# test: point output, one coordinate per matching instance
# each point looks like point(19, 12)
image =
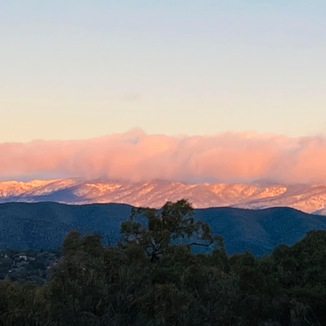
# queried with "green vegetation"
point(157, 276)
point(27, 265)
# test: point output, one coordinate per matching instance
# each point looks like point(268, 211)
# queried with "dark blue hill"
point(45, 224)
point(259, 231)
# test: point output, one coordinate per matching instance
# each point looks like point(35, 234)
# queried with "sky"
point(196, 91)
point(89, 68)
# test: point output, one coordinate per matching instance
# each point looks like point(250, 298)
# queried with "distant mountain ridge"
point(44, 225)
point(307, 198)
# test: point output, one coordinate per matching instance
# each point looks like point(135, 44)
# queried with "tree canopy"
point(154, 276)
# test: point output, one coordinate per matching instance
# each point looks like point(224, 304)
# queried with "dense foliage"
point(157, 276)
point(27, 265)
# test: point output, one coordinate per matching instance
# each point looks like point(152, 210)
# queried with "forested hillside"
point(44, 225)
point(153, 276)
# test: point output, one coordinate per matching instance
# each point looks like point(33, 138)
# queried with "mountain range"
point(309, 198)
point(44, 225)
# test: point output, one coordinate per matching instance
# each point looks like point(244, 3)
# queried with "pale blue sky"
point(78, 69)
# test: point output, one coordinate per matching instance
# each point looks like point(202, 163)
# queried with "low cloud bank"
point(136, 156)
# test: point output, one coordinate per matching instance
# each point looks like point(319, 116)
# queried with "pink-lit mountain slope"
point(307, 198)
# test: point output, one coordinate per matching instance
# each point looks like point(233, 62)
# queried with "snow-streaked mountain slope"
point(307, 198)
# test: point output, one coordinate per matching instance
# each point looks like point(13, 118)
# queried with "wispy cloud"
point(131, 97)
point(136, 156)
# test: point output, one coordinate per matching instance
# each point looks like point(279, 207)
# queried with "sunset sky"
point(208, 73)
point(78, 69)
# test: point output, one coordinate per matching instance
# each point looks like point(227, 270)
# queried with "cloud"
point(136, 156)
point(131, 97)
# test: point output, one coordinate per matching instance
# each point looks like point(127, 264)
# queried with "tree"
point(174, 223)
